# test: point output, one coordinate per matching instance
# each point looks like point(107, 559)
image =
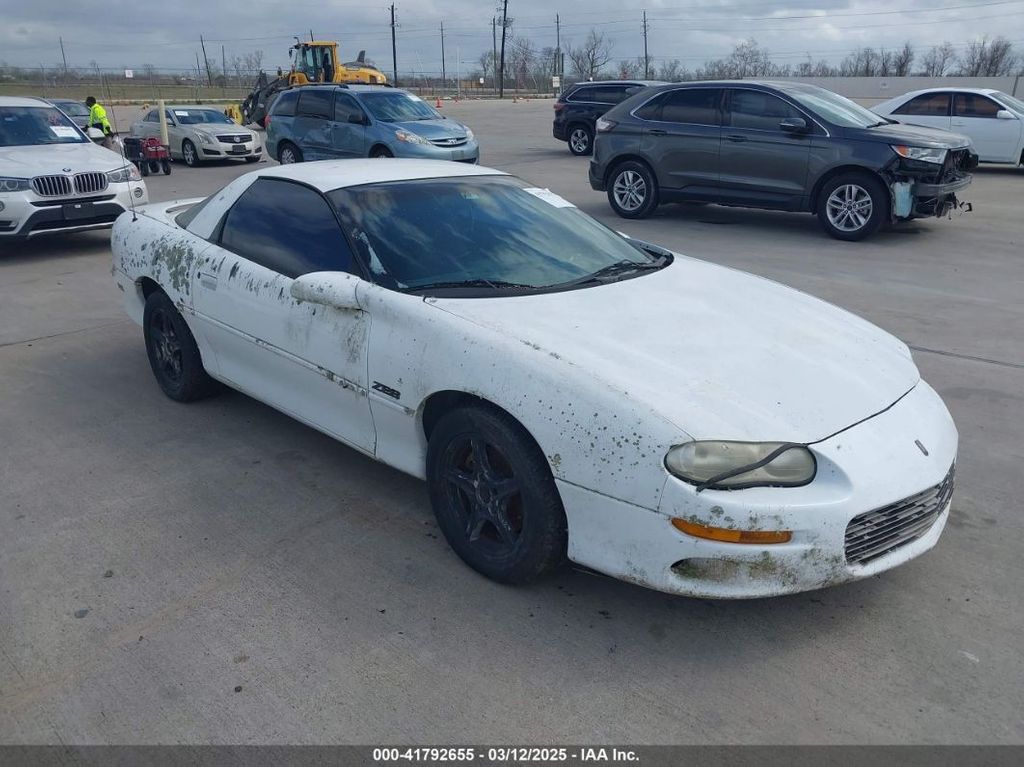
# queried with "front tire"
point(581, 140)
point(189, 154)
point(632, 190)
point(381, 152)
point(493, 495)
point(172, 351)
point(852, 206)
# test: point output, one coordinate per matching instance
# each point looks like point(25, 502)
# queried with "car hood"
point(915, 135)
point(29, 161)
point(719, 353)
point(218, 129)
point(433, 129)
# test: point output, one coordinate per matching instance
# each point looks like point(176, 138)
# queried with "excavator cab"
point(314, 62)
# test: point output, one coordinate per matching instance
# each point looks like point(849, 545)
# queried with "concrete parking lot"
point(218, 573)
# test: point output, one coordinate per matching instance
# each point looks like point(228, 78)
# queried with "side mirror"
point(357, 119)
point(334, 289)
point(95, 134)
point(793, 125)
point(1005, 114)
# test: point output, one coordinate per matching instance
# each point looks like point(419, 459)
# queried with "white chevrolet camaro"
point(565, 391)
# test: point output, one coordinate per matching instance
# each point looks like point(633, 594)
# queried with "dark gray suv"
point(779, 146)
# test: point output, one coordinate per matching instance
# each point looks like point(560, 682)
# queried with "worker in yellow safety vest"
point(98, 119)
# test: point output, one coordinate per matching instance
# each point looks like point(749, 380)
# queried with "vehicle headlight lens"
point(723, 465)
point(204, 138)
point(8, 184)
point(923, 154)
point(469, 134)
point(410, 138)
point(123, 175)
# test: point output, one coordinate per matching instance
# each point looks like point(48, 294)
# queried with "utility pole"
point(647, 59)
point(494, 54)
point(64, 57)
point(501, 68)
point(556, 70)
point(394, 50)
point(206, 60)
point(444, 74)
point(224, 70)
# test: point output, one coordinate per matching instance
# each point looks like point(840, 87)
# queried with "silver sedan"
point(197, 134)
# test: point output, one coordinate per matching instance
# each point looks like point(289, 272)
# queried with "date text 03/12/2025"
point(503, 754)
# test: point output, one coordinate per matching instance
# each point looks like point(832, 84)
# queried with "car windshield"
point(198, 116)
point(398, 107)
point(1015, 104)
point(72, 108)
point(482, 234)
point(33, 126)
point(837, 109)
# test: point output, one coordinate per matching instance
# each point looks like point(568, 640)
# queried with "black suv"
point(580, 105)
point(779, 146)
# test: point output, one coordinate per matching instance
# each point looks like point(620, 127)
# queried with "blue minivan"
point(330, 122)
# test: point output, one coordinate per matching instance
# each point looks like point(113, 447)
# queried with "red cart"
point(148, 154)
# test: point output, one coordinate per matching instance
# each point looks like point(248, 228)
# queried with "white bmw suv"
point(53, 178)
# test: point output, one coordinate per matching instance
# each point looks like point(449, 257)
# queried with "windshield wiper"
point(883, 122)
point(474, 283)
point(614, 270)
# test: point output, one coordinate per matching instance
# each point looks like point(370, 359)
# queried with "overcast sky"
point(131, 33)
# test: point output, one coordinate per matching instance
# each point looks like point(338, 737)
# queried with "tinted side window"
point(695, 106)
point(285, 104)
point(610, 94)
point(316, 103)
point(974, 105)
point(927, 104)
point(757, 110)
point(583, 94)
point(344, 107)
point(286, 227)
point(151, 116)
point(652, 109)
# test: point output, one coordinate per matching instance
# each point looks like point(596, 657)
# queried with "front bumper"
point(595, 175)
point(466, 153)
point(868, 467)
point(26, 214)
point(222, 150)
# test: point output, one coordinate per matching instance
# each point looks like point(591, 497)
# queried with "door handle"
point(736, 138)
point(658, 132)
point(208, 281)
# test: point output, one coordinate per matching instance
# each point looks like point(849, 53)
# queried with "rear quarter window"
point(285, 105)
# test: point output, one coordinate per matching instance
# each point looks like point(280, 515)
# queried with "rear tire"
point(493, 495)
point(288, 153)
point(173, 354)
point(853, 206)
point(632, 190)
point(166, 165)
point(581, 140)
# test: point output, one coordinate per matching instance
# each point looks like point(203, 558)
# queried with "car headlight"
point(123, 175)
point(8, 184)
point(469, 134)
point(923, 154)
point(724, 465)
point(410, 138)
point(204, 138)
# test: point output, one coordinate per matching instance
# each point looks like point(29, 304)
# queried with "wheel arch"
point(839, 170)
point(148, 286)
point(614, 165)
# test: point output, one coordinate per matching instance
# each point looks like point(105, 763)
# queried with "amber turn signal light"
point(731, 536)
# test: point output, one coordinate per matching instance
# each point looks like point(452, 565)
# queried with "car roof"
point(23, 101)
point(328, 175)
point(982, 91)
point(618, 82)
point(195, 107)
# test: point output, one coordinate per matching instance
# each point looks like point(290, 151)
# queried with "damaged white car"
point(565, 391)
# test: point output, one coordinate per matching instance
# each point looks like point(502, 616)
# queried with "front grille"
point(90, 183)
point(52, 186)
point(874, 534)
point(446, 143)
point(234, 138)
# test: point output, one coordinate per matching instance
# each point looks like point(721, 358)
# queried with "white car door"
point(995, 139)
point(928, 109)
point(305, 359)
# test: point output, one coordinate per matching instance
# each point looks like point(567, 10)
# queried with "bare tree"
point(631, 69)
point(985, 58)
point(253, 62)
point(903, 59)
point(939, 61)
point(521, 55)
point(671, 71)
point(592, 56)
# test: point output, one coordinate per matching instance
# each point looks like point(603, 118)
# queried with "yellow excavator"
point(313, 63)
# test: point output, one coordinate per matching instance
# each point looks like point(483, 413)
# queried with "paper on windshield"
point(180, 114)
point(64, 131)
point(549, 197)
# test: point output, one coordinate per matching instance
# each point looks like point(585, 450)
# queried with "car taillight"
point(266, 122)
point(603, 125)
point(559, 106)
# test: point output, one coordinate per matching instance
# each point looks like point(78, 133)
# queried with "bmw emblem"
point(66, 170)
